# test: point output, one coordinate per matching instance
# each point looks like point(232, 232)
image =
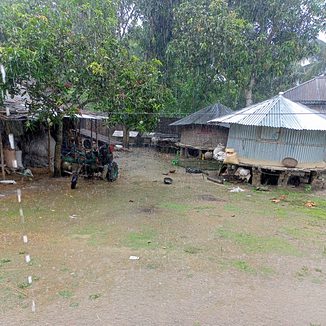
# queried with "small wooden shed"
point(197, 136)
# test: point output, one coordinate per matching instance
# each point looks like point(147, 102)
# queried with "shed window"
point(269, 133)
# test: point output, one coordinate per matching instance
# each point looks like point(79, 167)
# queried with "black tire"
point(113, 172)
point(74, 180)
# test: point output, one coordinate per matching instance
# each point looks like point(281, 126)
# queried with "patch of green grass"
point(74, 305)
point(317, 280)
point(318, 213)
point(180, 208)
point(303, 272)
point(232, 208)
point(23, 285)
point(299, 233)
point(198, 208)
point(95, 235)
point(4, 261)
point(281, 212)
point(66, 294)
point(243, 266)
point(141, 239)
point(152, 266)
point(258, 244)
point(192, 250)
point(94, 296)
point(267, 271)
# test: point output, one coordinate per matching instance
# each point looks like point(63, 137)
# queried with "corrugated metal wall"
point(251, 143)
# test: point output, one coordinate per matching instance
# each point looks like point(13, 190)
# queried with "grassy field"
point(207, 256)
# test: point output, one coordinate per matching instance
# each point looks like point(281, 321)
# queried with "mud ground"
point(207, 256)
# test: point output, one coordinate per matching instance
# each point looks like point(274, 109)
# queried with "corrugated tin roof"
point(119, 133)
point(15, 106)
point(310, 92)
point(277, 112)
point(201, 117)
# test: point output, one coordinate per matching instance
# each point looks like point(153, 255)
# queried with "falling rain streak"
point(19, 200)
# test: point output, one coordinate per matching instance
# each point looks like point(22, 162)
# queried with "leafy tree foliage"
point(115, 55)
point(208, 54)
point(125, 87)
point(67, 55)
point(281, 33)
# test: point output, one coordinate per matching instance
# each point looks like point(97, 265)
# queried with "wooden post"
point(283, 179)
point(79, 136)
point(92, 132)
point(256, 177)
point(125, 136)
point(96, 130)
point(49, 148)
point(186, 152)
point(2, 158)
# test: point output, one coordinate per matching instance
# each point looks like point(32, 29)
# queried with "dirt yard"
point(207, 256)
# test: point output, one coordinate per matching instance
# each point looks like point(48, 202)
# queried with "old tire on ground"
point(113, 172)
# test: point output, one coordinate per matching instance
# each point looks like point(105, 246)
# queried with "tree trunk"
point(248, 91)
point(125, 136)
point(57, 150)
point(49, 148)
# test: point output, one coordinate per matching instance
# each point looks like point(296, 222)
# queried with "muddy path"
point(206, 256)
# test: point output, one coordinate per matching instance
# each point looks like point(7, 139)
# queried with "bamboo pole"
point(96, 130)
point(2, 158)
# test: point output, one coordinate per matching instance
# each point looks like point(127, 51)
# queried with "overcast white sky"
point(322, 36)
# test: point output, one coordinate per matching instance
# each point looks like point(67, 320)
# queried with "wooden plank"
point(2, 158)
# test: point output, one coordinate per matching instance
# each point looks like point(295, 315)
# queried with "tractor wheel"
point(113, 172)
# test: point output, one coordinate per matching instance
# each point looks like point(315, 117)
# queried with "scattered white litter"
point(236, 189)
point(33, 306)
point(27, 259)
point(25, 239)
point(73, 216)
point(134, 258)
point(19, 195)
point(8, 182)
point(11, 141)
point(29, 279)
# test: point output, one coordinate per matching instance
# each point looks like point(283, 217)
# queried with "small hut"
point(197, 136)
point(278, 140)
point(311, 93)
